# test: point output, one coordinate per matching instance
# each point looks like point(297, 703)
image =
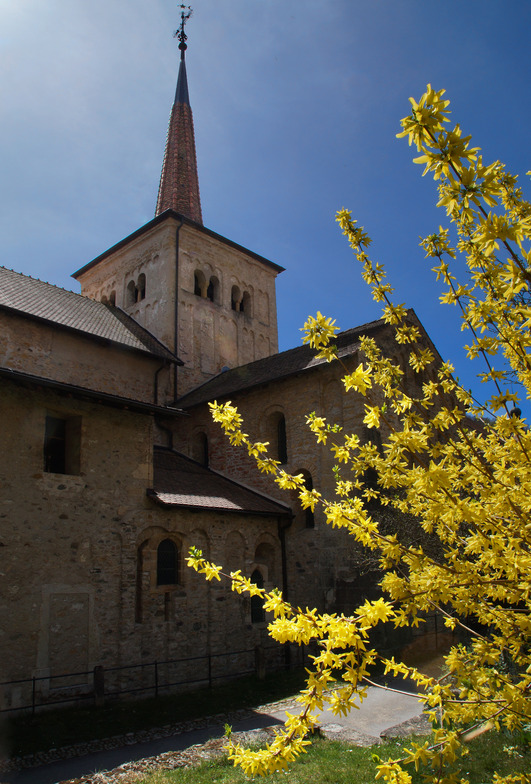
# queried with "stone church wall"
point(139, 275)
point(62, 355)
point(327, 569)
point(78, 582)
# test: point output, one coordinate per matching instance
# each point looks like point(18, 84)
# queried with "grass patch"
point(26, 734)
point(329, 762)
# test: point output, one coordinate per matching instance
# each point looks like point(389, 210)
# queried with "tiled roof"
point(179, 481)
point(67, 309)
point(179, 183)
point(263, 371)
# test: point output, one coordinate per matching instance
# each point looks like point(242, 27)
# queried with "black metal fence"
point(162, 677)
point(155, 677)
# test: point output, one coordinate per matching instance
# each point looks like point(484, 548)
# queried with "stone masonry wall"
point(325, 565)
point(78, 581)
point(58, 354)
point(211, 334)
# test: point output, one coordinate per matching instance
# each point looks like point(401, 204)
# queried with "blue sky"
point(296, 106)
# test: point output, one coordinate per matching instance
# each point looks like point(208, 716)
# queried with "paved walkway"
point(381, 713)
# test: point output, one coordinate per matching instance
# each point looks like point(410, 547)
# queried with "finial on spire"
point(186, 13)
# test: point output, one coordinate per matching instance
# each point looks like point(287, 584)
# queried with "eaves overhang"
point(182, 219)
point(84, 393)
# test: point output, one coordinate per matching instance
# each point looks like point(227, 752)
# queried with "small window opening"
point(62, 445)
point(167, 563)
point(141, 287)
point(200, 286)
point(55, 445)
point(257, 603)
point(213, 289)
point(112, 298)
point(131, 293)
point(245, 306)
point(236, 299)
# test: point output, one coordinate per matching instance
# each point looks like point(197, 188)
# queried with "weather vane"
point(186, 13)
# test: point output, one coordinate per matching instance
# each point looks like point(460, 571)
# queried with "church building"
point(111, 467)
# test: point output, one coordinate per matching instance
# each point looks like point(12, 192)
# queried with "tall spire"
point(179, 183)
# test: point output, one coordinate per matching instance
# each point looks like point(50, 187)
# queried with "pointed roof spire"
point(179, 183)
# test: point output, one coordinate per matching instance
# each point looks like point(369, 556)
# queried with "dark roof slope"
point(69, 310)
point(180, 481)
point(287, 363)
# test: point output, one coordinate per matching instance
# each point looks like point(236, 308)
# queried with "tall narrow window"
point(139, 580)
point(282, 442)
point(257, 603)
point(309, 517)
point(167, 563)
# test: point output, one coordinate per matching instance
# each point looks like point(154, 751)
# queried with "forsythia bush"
point(469, 486)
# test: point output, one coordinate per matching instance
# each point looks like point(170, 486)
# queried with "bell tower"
point(208, 299)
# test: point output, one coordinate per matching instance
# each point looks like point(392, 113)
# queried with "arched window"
point(257, 603)
point(141, 287)
point(167, 563)
point(131, 293)
point(213, 289)
point(200, 285)
point(236, 299)
point(246, 304)
point(112, 298)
